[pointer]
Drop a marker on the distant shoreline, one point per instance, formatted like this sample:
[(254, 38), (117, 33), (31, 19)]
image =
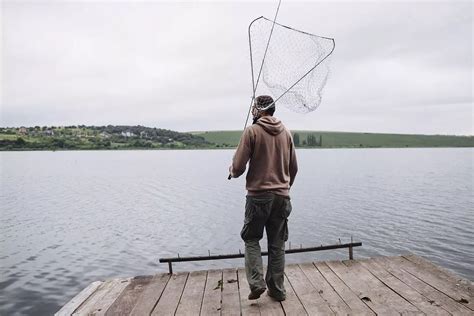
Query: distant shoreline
[(122, 137), (216, 148)]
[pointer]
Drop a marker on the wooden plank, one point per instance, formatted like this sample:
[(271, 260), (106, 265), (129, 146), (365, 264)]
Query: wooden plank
[(374, 293), (147, 300), (107, 291), (389, 297), (211, 302), (357, 306), (191, 300), (437, 281), (124, 304), (110, 297), (312, 301), (408, 293), (269, 306), (248, 307), (335, 302), (171, 295), (456, 287), (230, 293), (435, 297), (96, 296), (77, 300), (464, 284), (292, 305)]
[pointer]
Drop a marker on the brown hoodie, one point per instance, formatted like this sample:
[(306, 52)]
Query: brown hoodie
[(269, 147)]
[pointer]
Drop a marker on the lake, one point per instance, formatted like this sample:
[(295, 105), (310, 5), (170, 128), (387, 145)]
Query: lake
[(70, 218)]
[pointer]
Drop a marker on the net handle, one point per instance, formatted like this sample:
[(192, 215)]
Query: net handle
[(255, 84), (266, 49), (253, 78)]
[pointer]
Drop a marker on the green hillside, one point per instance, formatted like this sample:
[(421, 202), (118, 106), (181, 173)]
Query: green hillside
[(83, 137), (221, 138), (343, 139)]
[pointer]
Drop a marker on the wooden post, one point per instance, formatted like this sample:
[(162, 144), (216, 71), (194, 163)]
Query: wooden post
[(170, 267), (351, 255)]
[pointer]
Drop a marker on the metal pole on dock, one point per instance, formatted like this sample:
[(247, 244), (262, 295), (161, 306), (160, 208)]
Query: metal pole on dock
[(350, 245)]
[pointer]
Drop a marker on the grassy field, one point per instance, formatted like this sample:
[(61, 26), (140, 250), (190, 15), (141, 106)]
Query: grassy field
[(352, 140), (222, 138)]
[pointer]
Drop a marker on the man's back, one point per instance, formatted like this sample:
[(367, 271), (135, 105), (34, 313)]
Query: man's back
[(269, 147)]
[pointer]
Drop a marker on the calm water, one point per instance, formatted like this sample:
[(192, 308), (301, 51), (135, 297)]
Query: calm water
[(70, 218)]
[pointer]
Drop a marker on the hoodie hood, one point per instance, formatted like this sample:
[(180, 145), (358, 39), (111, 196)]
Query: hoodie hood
[(271, 125)]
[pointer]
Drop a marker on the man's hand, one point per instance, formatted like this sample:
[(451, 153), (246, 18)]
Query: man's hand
[(230, 173)]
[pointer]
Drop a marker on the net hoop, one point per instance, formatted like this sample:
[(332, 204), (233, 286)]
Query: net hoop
[(287, 88)]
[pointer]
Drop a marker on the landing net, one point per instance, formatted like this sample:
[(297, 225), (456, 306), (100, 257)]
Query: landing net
[(295, 67)]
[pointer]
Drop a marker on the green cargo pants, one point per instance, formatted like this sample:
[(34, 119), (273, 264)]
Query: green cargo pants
[(269, 211)]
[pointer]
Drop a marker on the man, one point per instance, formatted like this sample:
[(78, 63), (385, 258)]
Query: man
[(268, 145)]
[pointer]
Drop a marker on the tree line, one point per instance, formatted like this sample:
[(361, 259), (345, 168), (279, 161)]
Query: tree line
[(311, 140)]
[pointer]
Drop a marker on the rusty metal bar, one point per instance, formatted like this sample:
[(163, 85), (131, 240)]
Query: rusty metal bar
[(350, 245)]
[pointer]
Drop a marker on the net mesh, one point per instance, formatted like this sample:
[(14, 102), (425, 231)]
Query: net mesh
[(296, 65)]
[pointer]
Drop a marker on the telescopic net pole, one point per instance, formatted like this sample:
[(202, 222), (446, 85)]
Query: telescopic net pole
[(255, 84)]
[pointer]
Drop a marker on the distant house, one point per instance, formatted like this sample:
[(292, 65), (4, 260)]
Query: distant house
[(143, 134), (48, 132), (104, 135), (23, 130), (127, 134)]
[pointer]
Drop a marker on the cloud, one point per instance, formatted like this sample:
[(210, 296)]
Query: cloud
[(398, 66)]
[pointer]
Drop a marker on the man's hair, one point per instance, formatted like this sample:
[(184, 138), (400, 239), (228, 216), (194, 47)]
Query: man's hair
[(263, 101), (270, 111)]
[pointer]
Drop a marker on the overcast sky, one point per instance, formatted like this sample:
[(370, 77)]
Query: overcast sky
[(402, 67)]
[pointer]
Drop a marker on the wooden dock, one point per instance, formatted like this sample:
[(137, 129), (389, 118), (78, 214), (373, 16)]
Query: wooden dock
[(383, 285)]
